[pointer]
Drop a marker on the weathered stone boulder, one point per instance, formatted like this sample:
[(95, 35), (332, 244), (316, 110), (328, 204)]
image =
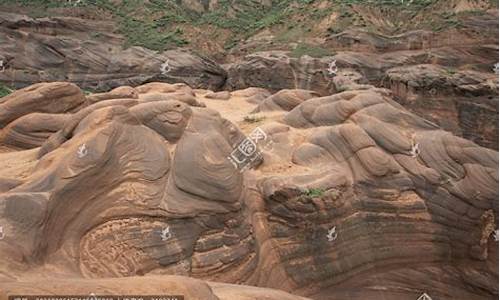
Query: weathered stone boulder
[(224, 95), (285, 100), (56, 97)]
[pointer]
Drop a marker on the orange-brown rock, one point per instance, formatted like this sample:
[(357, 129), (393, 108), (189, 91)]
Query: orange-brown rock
[(57, 97), (65, 49), (285, 100), (349, 196)]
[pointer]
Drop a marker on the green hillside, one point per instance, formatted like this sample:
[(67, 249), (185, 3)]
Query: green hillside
[(161, 24)]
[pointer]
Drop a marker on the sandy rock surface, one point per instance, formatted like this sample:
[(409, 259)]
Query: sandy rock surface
[(329, 197)]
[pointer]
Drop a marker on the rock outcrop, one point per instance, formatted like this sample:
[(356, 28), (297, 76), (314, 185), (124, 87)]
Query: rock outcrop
[(58, 97), (446, 78), (277, 70), (329, 197), (63, 49)]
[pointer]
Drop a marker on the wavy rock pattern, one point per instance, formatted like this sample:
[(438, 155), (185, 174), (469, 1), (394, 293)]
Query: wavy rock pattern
[(352, 197)]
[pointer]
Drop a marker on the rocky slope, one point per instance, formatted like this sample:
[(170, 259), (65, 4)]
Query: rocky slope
[(335, 197), (249, 149), (59, 49), (440, 65)]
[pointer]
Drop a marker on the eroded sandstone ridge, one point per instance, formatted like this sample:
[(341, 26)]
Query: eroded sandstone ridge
[(351, 196), (66, 49), (444, 72)]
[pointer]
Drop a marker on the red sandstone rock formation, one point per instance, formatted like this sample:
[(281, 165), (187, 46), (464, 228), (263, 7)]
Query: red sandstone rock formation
[(351, 197)]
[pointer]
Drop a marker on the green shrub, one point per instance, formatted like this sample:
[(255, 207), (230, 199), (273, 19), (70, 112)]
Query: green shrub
[(253, 119), (140, 33), (313, 51), (4, 90), (314, 193)]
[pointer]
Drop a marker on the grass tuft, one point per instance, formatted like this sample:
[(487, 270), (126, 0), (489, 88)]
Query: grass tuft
[(4, 90)]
